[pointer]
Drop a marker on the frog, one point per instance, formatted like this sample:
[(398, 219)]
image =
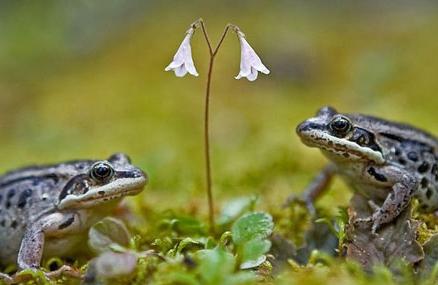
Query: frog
[(389, 163), (47, 210)]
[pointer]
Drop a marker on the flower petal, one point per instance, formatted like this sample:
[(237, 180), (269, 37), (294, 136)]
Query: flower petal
[(250, 62), (253, 75), (180, 71), (182, 61), (262, 68), (172, 66), (190, 65), (245, 67)]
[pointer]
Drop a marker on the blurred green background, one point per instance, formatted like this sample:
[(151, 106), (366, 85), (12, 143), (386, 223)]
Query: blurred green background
[(84, 79)]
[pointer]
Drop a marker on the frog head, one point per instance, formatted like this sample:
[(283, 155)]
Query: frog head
[(341, 137), (100, 182)]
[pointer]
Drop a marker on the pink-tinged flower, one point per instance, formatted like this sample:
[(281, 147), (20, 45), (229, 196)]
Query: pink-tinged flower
[(250, 63), (182, 61)]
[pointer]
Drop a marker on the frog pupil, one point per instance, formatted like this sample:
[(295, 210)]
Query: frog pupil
[(341, 126), (101, 171)]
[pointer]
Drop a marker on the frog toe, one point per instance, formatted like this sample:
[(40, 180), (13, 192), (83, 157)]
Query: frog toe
[(363, 221), (5, 278)]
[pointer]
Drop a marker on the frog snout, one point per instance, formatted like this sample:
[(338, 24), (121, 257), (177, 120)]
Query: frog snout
[(141, 174), (308, 126)]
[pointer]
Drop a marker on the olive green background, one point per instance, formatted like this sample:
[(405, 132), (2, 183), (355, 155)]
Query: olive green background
[(84, 79)]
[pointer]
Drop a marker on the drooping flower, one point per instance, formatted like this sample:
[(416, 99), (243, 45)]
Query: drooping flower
[(250, 63), (182, 61)]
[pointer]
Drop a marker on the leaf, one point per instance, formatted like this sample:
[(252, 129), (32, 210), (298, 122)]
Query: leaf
[(253, 253), (163, 245), (253, 262), (180, 278), (183, 225), (111, 264), (251, 226), (107, 234), (189, 243), (234, 208), (216, 267), (394, 242)]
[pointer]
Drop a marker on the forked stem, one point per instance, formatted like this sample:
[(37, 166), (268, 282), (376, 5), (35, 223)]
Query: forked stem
[(212, 52)]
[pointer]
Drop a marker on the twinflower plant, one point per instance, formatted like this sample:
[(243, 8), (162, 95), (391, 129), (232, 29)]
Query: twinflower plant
[(182, 63)]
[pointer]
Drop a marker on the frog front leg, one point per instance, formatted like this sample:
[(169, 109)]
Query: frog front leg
[(403, 185), (32, 245)]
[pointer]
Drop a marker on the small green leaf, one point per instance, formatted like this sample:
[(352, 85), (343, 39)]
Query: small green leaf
[(253, 263), (189, 243), (163, 245), (225, 238), (215, 265), (183, 225), (179, 278), (107, 234), (251, 226), (253, 253)]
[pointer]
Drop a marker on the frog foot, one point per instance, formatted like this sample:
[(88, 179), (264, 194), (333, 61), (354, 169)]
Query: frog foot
[(373, 220), (66, 271), (5, 278), (30, 273)]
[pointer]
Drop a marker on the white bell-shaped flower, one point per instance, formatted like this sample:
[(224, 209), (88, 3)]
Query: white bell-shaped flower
[(250, 63), (182, 61)]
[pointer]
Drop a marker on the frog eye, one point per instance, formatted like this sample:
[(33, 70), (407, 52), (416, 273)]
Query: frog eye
[(340, 126), (101, 171)]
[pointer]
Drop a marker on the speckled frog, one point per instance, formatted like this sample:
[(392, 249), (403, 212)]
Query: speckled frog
[(389, 163), (47, 210)]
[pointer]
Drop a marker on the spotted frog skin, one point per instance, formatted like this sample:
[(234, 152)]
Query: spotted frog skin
[(387, 162), (47, 210)]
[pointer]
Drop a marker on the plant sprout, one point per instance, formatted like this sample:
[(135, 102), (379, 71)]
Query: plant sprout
[(182, 63)]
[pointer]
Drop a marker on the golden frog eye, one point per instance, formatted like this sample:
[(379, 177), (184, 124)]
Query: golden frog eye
[(340, 126), (101, 171)]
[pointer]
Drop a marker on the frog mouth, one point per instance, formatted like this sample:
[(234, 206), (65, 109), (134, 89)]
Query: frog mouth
[(339, 146), (105, 193)]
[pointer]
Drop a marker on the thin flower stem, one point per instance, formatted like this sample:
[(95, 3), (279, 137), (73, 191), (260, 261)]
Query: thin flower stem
[(207, 147), (221, 40), (213, 53), (207, 39)]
